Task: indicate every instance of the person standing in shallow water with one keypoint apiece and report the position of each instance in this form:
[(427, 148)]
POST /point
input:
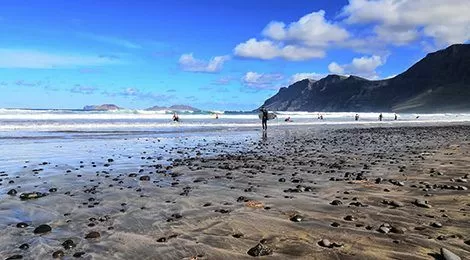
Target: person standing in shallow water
[(380, 117), (264, 119)]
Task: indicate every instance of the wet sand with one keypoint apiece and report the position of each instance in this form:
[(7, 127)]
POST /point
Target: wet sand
[(351, 193)]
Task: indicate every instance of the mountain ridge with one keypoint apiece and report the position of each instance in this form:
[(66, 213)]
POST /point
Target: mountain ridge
[(440, 82)]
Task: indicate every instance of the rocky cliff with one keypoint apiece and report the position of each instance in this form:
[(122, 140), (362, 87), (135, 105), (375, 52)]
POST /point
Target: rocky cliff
[(440, 82)]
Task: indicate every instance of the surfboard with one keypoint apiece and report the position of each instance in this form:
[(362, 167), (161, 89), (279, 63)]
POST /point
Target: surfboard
[(271, 115)]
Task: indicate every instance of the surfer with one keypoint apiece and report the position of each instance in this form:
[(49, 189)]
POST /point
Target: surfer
[(287, 119), (216, 116), (264, 119), (176, 118), (356, 117), (380, 117), (396, 117)]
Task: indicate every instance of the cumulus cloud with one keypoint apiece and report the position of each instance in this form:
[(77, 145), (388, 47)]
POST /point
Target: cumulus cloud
[(304, 39), (261, 81), (187, 62), (305, 75), (335, 68), (266, 50), (403, 21), (33, 59), (310, 30), (363, 66), (86, 90)]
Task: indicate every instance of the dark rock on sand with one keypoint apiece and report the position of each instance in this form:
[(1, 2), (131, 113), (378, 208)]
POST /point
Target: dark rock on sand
[(68, 244), (238, 235), (52, 189), (297, 218), (326, 243), (349, 218), (42, 229), (92, 235), (335, 224), (12, 192), (436, 224), (15, 257), (31, 195), (161, 240), (21, 225), (336, 202), (422, 203), (144, 178), (24, 246), (58, 254), (393, 203), (398, 230), (79, 254), (260, 250), (448, 255)]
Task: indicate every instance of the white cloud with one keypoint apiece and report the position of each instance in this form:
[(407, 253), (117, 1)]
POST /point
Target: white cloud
[(267, 50), (335, 68), (33, 59), (364, 67), (402, 21), (260, 81), (304, 39), (305, 75), (187, 62), (310, 30)]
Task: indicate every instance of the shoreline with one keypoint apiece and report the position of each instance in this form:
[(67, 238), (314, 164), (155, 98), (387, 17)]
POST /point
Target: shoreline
[(218, 207)]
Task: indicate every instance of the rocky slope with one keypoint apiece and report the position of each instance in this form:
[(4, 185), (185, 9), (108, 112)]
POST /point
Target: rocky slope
[(440, 82)]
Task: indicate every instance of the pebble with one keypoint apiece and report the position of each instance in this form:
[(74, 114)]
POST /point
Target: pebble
[(68, 244), (58, 254), (24, 246), (349, 218), (79, 254), (92, 235), (296, 218), (336, 202), (436, 224), (31, 195), (384, 229), (12, 192), (325, 243), (398, 230), (259, 250), (422, 203), (393, 203), (448, 255), (42, 229), (15, 257), (21, 225), (144, 178), (161, 240)]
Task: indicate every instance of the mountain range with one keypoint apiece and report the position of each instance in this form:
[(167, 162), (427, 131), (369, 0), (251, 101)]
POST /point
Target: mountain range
[(440, 82)]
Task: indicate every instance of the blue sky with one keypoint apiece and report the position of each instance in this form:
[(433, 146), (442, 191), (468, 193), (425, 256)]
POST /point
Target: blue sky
[(211, 54)]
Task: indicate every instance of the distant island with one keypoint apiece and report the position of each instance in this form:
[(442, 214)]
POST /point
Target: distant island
[(440, 82), (104, 107), (174, 108)]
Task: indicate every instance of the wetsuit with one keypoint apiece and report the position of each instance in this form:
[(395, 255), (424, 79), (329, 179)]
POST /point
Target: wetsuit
[(264, 119)]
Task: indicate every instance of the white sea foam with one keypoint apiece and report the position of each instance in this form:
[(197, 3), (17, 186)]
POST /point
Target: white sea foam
[(12, 120)]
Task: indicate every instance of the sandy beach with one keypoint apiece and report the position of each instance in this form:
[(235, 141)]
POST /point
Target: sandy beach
[(296, 193)]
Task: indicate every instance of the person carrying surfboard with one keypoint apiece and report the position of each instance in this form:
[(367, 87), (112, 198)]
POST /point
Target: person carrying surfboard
[(264, 119)]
